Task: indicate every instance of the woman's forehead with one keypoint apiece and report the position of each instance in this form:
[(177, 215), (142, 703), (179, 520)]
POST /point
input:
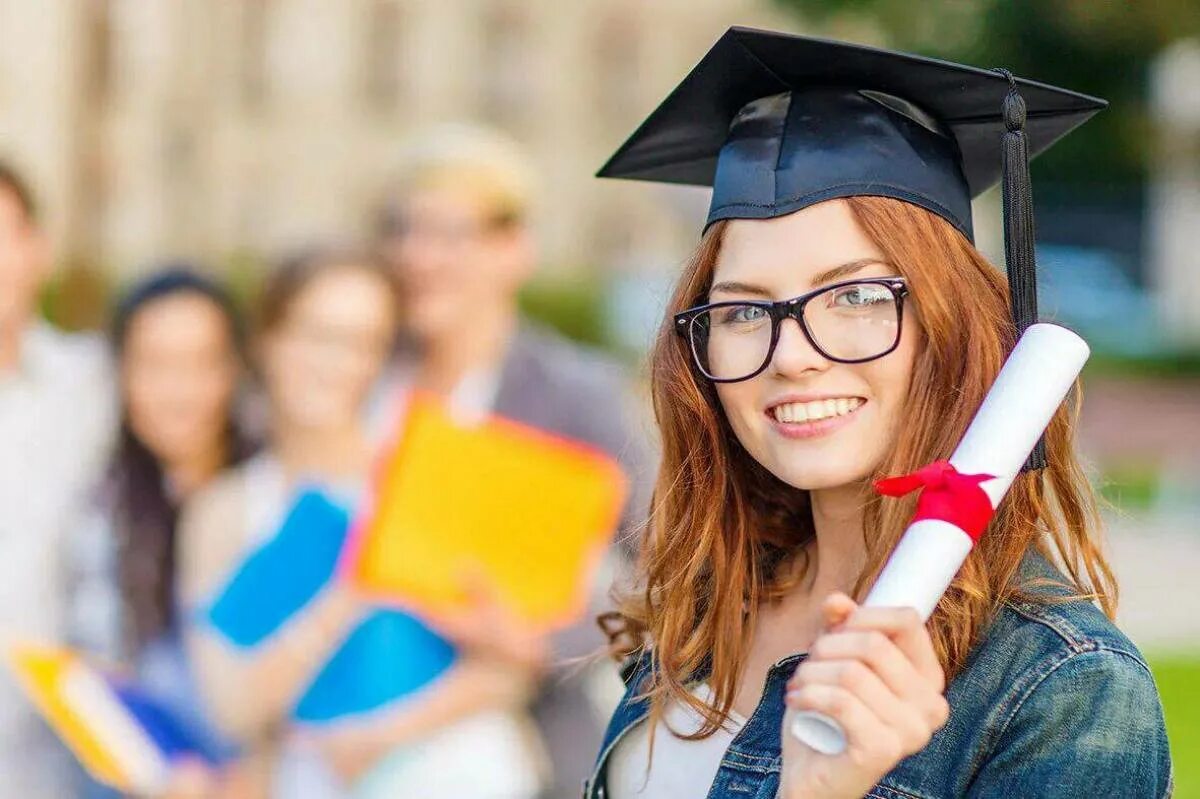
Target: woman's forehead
[(791, 252)]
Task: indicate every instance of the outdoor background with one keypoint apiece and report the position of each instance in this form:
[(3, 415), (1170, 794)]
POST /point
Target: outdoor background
[(228, 130)]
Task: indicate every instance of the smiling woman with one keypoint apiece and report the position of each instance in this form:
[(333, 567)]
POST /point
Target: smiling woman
[(837, 325)]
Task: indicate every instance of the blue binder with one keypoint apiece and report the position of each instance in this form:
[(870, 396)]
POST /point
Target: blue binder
[(390, 655), (284, 574)]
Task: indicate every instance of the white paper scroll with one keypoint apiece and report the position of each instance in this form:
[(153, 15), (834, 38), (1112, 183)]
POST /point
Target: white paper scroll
[(1029, 389)]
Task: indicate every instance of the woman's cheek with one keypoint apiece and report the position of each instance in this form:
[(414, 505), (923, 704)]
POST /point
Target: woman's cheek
[(740, 408)]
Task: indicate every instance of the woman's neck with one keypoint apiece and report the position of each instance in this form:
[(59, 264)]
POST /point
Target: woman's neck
[(332, 453), (190, 474), (478, 342), (839, 551), (833, 563)]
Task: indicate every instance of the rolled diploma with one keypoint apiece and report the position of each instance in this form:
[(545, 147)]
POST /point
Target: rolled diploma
[(1029, 389)]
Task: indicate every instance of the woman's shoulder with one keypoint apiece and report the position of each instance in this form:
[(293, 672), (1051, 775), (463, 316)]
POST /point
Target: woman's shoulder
[(229, 491), (219, 497), (1040, 631), (212, 530), (1053, 693), (1057, 658), (1045, 633)]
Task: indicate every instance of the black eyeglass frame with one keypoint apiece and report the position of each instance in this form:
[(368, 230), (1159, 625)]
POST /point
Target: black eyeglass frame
[(793, 309)]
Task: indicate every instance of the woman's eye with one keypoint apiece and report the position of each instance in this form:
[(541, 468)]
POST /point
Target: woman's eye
[(861, 296), (743, 314)]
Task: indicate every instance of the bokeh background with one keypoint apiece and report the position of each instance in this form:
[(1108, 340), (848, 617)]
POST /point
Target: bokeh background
[(226, 132)]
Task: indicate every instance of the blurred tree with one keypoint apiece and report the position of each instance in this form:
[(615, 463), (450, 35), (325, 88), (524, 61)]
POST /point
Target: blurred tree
[(77, 296), (1094, 46), (573, 306)]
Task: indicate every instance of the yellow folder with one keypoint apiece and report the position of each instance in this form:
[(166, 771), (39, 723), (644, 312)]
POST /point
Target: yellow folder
[(530, 512), (80, 707)]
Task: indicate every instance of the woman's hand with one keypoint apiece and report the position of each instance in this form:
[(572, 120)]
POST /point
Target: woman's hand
[(194, 779), (875, 672), (189, 779), (487, 627)]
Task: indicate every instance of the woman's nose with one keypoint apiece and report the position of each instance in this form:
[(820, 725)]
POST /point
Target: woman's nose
[(794, 353)]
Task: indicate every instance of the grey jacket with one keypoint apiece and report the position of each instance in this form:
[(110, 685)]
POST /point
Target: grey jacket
[(558, 386)]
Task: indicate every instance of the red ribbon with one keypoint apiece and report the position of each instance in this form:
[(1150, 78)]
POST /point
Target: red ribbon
[(946, 495)]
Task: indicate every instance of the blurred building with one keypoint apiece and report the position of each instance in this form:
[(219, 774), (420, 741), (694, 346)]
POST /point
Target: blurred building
[(209, 129), (1175, 189)]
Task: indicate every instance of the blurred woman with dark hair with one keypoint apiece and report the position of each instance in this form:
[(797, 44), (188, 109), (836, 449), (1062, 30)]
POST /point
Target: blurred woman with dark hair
[(176, 339)]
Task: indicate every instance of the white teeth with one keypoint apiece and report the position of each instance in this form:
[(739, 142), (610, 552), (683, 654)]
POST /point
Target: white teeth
[(798, 412)]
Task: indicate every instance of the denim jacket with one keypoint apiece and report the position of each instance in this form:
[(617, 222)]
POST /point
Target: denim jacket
[(1053, 701)]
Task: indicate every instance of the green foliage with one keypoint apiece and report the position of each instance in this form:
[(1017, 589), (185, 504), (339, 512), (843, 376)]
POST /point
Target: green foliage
[(1166, 364), (573, 305), (1130, 486), (1178, 675), (1100, 48), (77, 296)]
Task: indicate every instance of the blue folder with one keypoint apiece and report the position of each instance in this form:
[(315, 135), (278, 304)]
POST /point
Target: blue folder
[(390, 655), (284, 574), (171, 733)]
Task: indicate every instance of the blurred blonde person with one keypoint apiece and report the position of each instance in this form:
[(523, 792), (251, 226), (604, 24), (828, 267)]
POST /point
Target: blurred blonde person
[(327, 324), (56, 424), (176, 337), (457, 232)]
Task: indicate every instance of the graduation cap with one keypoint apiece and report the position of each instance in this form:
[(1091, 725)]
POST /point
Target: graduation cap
[(776, 122)]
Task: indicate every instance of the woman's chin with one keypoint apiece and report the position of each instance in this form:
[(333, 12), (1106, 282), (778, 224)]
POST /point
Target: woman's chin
[(822, 476)]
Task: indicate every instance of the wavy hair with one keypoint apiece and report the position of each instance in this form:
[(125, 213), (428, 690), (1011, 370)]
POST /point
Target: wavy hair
[(724, 533)]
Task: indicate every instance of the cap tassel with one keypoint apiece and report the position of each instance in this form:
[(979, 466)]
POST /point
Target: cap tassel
[(1019, 256)]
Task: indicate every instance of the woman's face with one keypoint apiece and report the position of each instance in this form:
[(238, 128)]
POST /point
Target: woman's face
[(852, 411), (324, 356), (179, 372), (451, 260)]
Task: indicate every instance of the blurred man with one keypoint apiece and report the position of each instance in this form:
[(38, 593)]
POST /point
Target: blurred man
[(456, 232), (55, 420)]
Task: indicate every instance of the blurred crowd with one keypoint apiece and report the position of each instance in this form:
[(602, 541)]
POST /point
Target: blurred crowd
[(138, 471)]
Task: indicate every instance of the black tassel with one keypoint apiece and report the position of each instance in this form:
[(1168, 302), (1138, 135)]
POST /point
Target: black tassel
[(1019, 256)]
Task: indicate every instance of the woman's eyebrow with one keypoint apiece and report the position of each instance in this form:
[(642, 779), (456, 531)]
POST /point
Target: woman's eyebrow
[(828, 276), (846, 270), (735, 287)]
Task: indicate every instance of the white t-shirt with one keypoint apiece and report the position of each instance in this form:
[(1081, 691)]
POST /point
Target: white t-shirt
[(57, 419), (681, 767)]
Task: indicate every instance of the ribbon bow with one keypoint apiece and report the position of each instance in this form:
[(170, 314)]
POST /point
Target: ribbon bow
[(946, 495)]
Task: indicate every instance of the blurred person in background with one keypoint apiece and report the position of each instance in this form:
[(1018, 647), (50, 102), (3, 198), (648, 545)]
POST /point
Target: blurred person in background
[(176, 338), (328, 322), (455, 230), (56, 424)]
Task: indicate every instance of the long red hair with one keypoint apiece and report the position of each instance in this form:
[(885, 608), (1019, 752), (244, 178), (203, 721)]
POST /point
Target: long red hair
[(723, 532)]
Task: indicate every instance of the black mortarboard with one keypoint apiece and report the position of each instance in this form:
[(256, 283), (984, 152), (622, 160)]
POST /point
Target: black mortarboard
[(776, 122)]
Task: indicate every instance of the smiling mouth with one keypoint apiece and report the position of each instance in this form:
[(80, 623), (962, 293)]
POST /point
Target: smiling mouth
[(815, 410)]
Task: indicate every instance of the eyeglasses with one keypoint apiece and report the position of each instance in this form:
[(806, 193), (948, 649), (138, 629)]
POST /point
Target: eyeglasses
[(849, 322)]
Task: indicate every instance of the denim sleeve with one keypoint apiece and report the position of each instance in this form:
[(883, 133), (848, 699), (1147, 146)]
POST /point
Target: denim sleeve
[(1091, 725)]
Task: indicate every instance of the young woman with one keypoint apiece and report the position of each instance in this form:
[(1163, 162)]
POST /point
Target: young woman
[(326, 326), (177, 341), (836, 325)]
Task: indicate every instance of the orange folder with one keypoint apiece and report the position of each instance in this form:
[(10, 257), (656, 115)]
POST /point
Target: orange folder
[(530, 512)]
